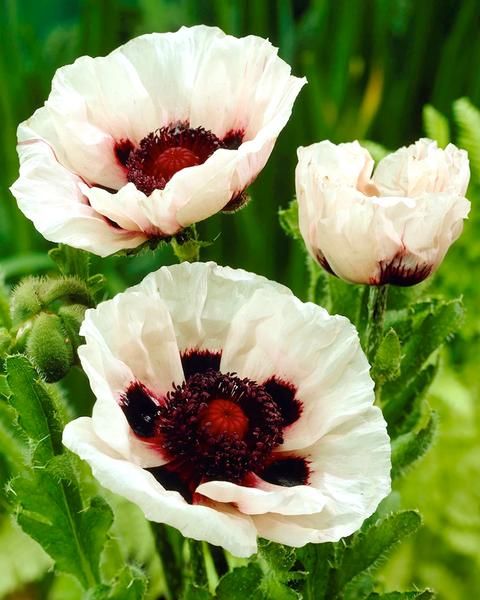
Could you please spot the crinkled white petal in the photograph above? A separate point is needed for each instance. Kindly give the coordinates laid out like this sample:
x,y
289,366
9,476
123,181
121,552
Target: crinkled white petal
x,y
265,497
128,339
358,232
197,75
277,335
423,168
350,466
202,299
132,210
217,524
51,196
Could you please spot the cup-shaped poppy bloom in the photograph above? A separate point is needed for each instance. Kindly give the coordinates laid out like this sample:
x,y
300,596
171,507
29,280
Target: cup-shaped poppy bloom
x,y
394,226
229,409
163,132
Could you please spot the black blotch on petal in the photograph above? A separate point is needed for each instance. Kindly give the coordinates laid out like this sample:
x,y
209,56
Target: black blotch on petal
x,y
287,472
140,409
123,149
200,361
171,481
283,394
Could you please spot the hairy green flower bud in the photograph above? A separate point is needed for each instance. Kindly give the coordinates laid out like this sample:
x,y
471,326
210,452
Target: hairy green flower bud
x,y
49,347
72,316
25,300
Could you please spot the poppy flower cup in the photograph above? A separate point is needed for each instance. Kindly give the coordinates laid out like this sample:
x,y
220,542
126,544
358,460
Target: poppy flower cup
x,y
164,132
394,226
229,409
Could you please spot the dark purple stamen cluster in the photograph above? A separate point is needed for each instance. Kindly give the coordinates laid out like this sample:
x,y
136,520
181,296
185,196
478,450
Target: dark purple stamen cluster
x,y
216,426
168,150
185,431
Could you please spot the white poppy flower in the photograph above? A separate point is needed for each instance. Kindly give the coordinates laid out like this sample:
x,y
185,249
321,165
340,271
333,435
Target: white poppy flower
x,y
393,227
163,132
229,409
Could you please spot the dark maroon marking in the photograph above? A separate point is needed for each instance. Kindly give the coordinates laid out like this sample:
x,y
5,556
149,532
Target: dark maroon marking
x,y
141,409
323,262
172,481
199,361
122,150
237,202
188,437
166,151
396,272
283,394
287,472
233,139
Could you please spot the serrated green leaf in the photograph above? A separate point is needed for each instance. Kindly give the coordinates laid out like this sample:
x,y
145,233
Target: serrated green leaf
x,y
317,560
403,407
436,125
130,584
467,118
71,261
444,320
369,547
49,504
241,583
386,364
289,220
411,446
38,415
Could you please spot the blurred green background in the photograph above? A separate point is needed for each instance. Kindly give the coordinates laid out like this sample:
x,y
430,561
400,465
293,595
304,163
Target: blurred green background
x,y
372,66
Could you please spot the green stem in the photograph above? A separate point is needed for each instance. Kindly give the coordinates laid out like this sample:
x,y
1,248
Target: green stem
x,y
377,306
169,560
198,570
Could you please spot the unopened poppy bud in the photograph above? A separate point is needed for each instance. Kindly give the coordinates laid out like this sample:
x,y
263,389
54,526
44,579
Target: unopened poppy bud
x,y
72,316
49,347
394,226
25,300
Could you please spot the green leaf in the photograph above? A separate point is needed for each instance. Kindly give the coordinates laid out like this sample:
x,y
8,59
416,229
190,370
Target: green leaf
x,y
413,595
49,504
442,322
386,365
318,560
38,414
404,402
22,559
369,547
289,220
467,118
130,584
436,125
71,261
266,578
411,446
241,583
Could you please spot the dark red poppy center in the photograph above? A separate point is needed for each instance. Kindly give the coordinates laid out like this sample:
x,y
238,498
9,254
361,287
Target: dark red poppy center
x,y
224,417
165,152
216,426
